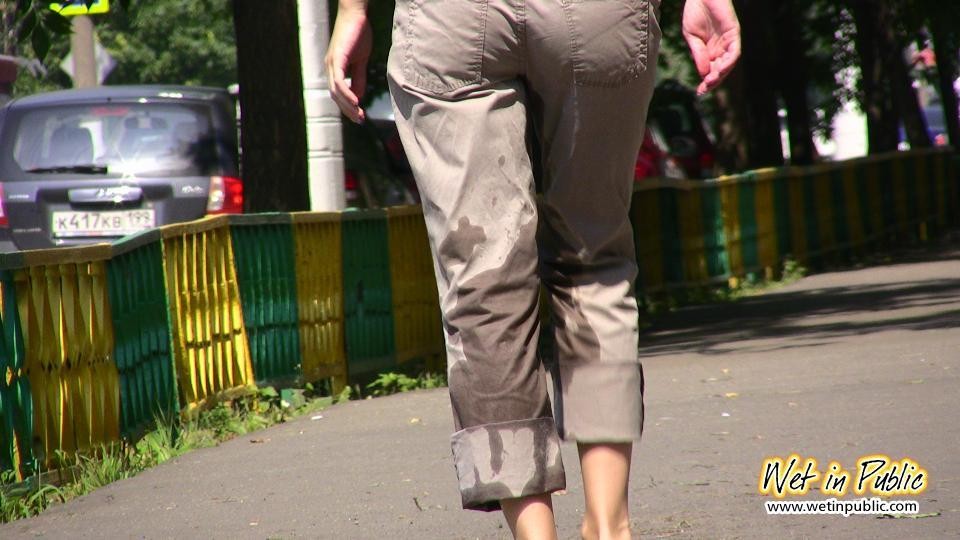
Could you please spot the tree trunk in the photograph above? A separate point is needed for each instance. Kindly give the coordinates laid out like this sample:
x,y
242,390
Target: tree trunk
x,y
876,95
733,152
793,80
759,61
945,45
904,94
273,132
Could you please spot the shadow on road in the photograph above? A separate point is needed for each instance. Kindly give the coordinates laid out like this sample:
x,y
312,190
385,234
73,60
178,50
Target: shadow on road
x,y
804,318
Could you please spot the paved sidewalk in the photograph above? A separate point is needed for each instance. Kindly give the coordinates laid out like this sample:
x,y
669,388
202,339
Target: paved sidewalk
x,y
836,366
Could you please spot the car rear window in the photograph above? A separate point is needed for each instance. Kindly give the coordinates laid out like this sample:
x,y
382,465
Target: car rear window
x,y
137,138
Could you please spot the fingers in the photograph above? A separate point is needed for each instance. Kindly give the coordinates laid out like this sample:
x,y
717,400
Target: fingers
x,y
358,82
343,94
348,51
721,66
701,57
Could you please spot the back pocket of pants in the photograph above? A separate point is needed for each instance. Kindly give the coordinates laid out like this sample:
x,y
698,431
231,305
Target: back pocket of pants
x,y
443,48
608,40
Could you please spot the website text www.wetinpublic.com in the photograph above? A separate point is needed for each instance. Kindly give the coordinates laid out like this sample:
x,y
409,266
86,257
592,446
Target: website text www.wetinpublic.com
x,y
873,505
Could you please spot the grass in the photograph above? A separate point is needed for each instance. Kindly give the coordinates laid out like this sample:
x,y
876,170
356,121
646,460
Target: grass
x,y
171,437
392,383
652,305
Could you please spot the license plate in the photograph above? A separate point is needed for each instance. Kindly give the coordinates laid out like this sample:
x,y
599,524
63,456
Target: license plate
x,y
112,223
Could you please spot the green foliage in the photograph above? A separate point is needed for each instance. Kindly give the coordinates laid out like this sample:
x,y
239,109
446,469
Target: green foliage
x,y
171,42
34,24
792,271
392,383
346,394
27,499
652,305
674,61
155,42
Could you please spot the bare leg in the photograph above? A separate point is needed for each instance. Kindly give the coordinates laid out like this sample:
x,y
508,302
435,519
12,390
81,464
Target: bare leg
x,y
530,518
606,471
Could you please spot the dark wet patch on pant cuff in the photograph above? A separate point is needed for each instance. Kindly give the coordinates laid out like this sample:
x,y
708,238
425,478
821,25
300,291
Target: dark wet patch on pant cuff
x,y
506,460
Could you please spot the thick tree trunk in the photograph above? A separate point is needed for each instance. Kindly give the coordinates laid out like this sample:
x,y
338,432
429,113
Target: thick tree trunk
x,y
904,94
733,152
759,62
877,98
273,132
946,45
793,80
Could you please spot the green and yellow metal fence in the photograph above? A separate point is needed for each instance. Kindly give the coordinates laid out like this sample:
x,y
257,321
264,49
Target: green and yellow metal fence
x,y
96,341
319,280
264,253
211,351
141,321
16,401
68,342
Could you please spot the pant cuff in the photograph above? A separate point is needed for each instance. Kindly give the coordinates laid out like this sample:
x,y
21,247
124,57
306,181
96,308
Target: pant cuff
x,y
598,401
506,460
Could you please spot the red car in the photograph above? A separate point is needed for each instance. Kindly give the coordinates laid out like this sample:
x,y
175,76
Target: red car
x,y
654,160
674,112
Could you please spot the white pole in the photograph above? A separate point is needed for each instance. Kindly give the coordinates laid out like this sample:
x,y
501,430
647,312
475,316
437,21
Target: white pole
x,y
324,137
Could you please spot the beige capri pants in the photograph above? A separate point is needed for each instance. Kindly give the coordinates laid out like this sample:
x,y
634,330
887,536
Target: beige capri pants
x,y
478,87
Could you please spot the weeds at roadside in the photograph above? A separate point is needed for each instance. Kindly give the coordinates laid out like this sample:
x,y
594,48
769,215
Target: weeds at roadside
x,y
168,438
751,285
171,437
393,383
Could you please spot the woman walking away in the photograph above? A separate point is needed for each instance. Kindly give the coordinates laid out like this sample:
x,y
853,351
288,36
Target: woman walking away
x,y
475,84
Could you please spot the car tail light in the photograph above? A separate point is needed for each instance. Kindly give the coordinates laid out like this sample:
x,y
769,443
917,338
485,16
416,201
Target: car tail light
x,y
707,163
350,185
4,222
349,181
226,195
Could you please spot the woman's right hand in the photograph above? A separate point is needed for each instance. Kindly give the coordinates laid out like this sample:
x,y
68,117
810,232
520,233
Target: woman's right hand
x,y
350,46
712,32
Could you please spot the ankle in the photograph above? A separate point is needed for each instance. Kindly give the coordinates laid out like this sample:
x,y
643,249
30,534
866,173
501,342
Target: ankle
x,y
616,529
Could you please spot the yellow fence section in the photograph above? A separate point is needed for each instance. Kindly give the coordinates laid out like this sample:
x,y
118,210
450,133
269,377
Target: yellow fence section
x,y
210,348
416,309
768,251
68,343
730,208
317,249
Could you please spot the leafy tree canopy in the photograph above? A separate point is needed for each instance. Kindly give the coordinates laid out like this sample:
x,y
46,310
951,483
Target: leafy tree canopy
x,y
160,41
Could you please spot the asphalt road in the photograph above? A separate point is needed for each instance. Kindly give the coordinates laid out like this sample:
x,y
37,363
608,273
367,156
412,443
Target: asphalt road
x,y
836,366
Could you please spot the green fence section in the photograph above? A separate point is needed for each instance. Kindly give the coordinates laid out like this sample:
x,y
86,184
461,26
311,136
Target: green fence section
x,y
749,224
367,296
270,287
16,403
263,251
141,322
